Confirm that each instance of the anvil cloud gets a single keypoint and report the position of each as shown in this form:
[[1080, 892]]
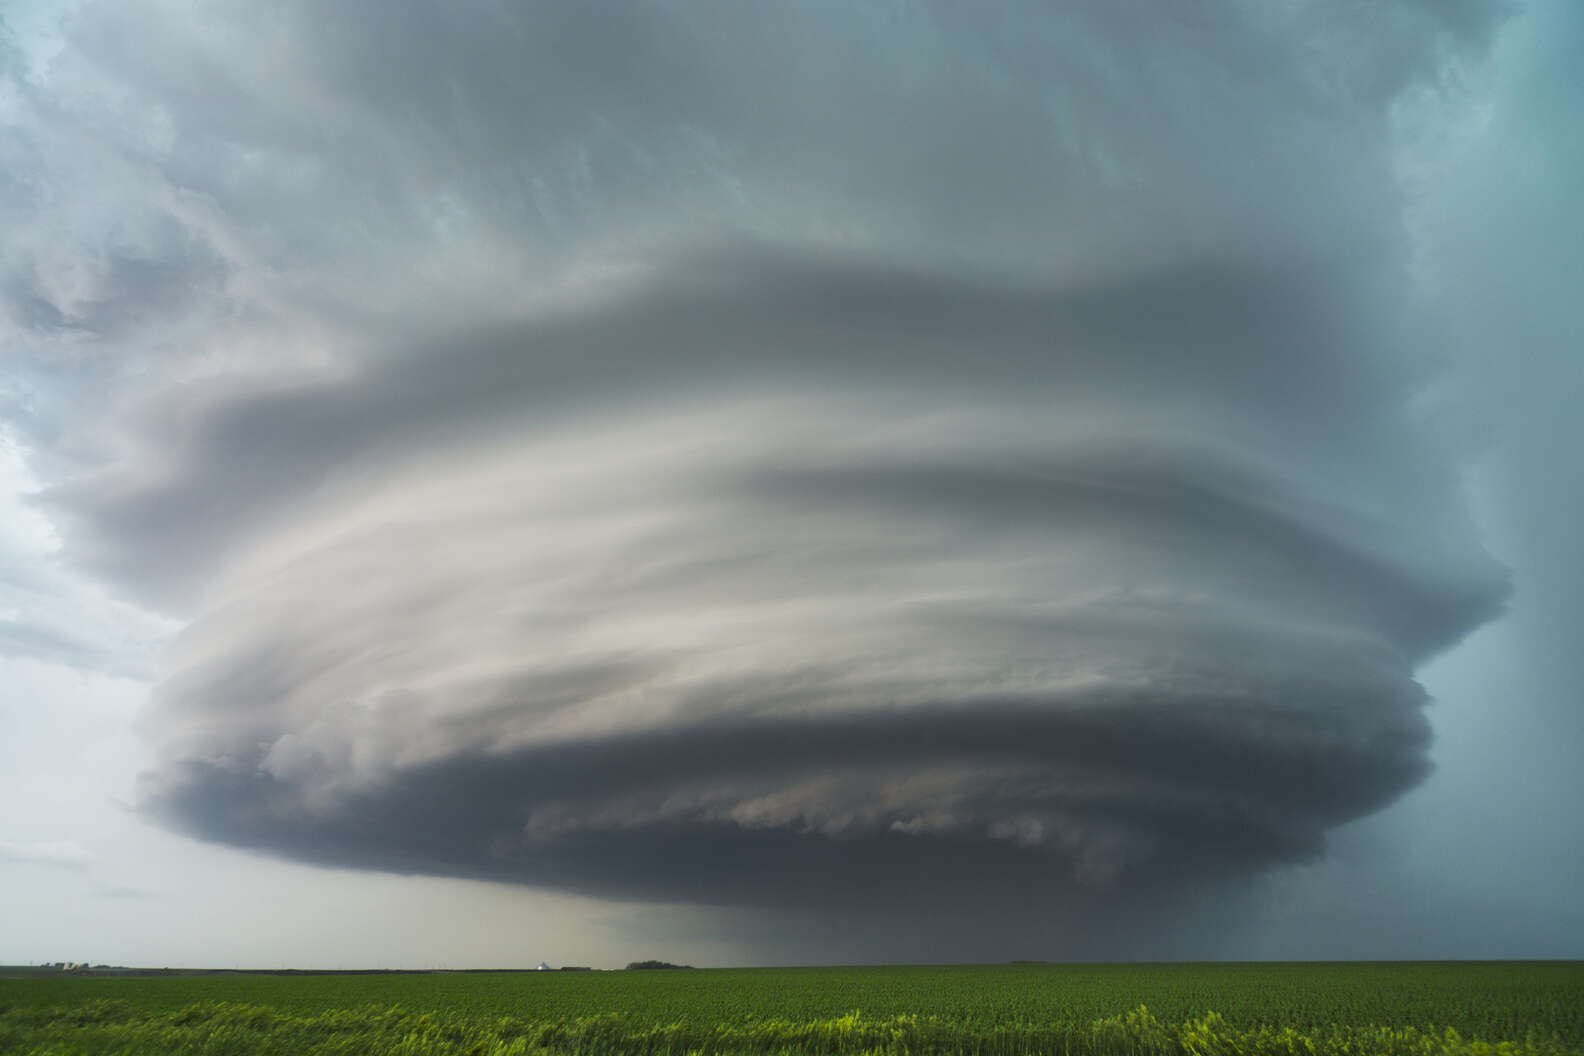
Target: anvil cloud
[[761, 455]]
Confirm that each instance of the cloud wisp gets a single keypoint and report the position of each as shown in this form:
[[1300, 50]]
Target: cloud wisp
[[57, 854], [861, 452]]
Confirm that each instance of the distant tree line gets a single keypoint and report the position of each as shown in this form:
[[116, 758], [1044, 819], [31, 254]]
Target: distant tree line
[[650, 965]]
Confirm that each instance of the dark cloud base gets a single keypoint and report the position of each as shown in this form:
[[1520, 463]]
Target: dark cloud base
[[1259, 794]]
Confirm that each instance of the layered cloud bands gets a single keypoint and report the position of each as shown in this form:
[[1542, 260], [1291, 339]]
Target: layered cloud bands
[[726, 615], [884, 454]]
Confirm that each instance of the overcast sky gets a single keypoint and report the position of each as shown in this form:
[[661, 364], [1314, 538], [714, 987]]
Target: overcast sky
[[762, 483]]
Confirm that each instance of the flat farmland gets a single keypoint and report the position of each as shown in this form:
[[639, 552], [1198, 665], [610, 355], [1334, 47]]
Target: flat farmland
[[1357, 1009]]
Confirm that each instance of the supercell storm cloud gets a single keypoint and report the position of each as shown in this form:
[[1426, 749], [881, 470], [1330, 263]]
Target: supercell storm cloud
[[755, 454]]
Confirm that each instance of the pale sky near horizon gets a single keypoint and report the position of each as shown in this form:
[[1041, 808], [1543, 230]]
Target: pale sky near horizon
[[790, 483]]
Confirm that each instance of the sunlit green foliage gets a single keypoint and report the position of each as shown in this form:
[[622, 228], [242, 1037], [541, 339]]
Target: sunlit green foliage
[[1192, 1010]]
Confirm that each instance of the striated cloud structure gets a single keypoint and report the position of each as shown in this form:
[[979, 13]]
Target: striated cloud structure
[[818, 454], [798, 578]]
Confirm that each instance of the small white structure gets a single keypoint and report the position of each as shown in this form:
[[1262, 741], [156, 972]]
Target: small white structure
[[543, 967]]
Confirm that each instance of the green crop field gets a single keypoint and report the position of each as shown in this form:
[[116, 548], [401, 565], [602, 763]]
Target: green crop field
[[1491, 1009]]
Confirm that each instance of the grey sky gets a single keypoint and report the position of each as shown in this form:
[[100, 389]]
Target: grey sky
[[751, 478]]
